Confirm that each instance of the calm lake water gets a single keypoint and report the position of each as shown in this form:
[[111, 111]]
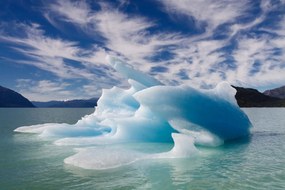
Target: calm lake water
[[31, 162]]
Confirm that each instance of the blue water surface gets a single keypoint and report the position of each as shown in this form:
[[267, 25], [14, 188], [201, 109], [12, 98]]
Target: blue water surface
[[29, 162]]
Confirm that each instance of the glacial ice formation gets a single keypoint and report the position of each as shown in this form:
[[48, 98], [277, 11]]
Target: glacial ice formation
[[149, 112]]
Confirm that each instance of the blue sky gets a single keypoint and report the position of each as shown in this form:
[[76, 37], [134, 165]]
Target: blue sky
[[55, 50]]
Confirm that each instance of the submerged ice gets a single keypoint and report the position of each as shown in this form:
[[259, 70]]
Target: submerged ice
[[149, 112]]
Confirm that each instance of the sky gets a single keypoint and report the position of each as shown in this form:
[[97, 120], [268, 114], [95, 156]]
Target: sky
[[56, 50]]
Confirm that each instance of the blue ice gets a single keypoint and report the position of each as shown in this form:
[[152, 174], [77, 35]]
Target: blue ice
[[149, 111]]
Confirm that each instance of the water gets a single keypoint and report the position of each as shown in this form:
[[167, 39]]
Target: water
[[30, 162]]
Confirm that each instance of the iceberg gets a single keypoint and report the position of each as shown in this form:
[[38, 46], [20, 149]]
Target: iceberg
[[149, 111]]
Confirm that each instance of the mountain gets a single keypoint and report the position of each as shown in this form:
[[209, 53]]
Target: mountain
[[249, 97], [90, 103], [10, 98], [276, 92]]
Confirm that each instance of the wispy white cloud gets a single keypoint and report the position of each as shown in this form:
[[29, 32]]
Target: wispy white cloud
[[211, 13], [255, 59], [198, 60], [72, 11], [50, 54], [46, 90], [126, 35], [43, 90], [259, 62]]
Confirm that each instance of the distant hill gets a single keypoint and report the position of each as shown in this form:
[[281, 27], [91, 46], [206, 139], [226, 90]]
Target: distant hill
[[248, 97], [276, 92], [10, 98], [90, 103]]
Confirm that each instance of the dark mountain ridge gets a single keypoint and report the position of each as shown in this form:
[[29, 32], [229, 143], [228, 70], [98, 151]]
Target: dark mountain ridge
[[10, 98], [89, 103], [249, 97], [276, 92]]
